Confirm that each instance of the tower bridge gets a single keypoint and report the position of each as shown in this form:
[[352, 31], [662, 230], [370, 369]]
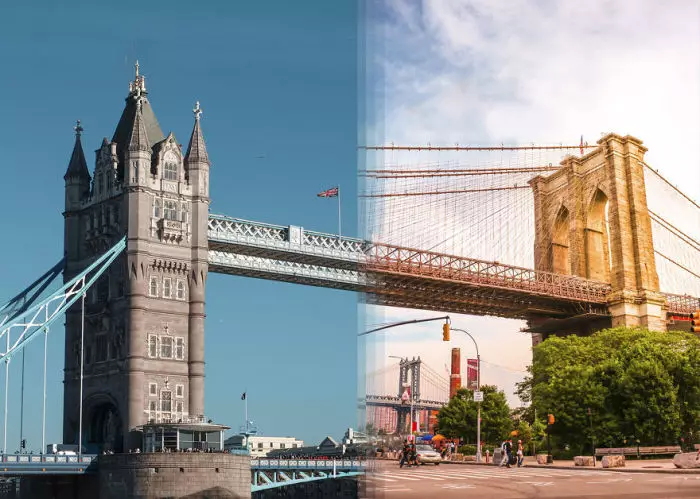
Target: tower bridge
[[143, 319]]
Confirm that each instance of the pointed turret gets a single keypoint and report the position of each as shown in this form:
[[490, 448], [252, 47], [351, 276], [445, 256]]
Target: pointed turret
[[196, 150], [77, 167], [138, 138], [136, 104]]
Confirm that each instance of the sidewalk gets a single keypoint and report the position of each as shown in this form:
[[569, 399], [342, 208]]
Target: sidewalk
[[631, 465]]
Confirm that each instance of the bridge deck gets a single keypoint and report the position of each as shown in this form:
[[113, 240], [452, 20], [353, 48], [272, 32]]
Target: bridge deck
[[405, 277], [50, 464]]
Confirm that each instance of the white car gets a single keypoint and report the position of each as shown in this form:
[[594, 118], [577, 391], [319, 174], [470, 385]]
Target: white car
[[425, 454]]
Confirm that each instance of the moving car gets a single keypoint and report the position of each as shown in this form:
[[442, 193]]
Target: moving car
[[426, 454]]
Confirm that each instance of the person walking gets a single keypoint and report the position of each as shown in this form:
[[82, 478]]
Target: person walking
[[520, 453], [509, 451]]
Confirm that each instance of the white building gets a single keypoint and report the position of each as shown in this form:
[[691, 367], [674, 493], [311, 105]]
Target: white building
[[259, 445]]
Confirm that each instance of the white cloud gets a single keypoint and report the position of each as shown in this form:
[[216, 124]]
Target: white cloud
[[517, 71]]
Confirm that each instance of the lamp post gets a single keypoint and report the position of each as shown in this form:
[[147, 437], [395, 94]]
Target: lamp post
[[478, 389], [446, 318]]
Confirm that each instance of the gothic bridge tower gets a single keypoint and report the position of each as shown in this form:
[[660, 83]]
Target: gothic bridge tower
[[144, 320], [591, 220]]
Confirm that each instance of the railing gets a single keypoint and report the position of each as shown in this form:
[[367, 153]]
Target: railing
[[33, 464], [307, 464], [393, 259], [681, 304]]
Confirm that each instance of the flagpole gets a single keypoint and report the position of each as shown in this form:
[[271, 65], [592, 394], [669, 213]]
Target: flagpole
[[340, 232], [246, 412]]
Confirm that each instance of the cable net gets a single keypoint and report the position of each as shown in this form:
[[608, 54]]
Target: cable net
[[675, 226], [474, 203]]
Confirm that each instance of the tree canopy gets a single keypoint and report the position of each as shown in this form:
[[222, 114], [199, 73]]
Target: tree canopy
[[638, 384], [458, 418]]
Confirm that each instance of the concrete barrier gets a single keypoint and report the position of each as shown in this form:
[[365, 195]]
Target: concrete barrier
[[613, 461], [541, 458], [686, 460], [584, 461]]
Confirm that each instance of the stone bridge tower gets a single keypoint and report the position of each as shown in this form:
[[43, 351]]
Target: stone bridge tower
[[144, 319], [591, 220]]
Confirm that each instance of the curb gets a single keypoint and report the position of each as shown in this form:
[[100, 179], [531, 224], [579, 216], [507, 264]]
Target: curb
[[677, 471]]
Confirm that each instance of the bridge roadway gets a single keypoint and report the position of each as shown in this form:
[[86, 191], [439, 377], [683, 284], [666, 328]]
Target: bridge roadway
[[403, 277], [391, 401], [48, 464]]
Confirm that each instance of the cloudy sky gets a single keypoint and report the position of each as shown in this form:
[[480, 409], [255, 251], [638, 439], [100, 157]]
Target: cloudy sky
[[517, 72]]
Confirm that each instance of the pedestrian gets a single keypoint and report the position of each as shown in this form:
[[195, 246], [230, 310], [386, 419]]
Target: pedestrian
[[509, 452], [520, 453]]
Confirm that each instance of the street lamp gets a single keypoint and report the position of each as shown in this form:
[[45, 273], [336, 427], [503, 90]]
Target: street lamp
[[446, 318], [478, 389]]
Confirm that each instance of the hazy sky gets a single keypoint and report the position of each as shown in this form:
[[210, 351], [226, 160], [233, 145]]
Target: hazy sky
[[517, 72]]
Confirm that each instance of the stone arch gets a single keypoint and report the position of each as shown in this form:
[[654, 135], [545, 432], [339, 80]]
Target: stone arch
[[597, 238], [561, 262], [104, 427]]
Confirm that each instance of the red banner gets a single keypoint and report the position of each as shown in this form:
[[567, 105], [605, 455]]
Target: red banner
[[472, 370]]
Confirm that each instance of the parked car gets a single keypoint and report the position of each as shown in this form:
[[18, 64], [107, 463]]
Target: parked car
[[426, 454]]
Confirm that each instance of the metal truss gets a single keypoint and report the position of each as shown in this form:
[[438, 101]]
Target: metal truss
[[681, 304], [290, 243], [26, 323], [285, 270], [405, 277], [31, 464], [273, 473], [398, 404]]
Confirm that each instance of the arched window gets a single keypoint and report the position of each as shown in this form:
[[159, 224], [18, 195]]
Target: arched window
[[156, 208], [170, 170], [597, 239], [185, 209]]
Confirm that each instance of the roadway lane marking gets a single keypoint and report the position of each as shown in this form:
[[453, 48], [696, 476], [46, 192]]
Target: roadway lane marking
[[540, 484], [400, 476], [613, 480], [455, 486], [394, 490]]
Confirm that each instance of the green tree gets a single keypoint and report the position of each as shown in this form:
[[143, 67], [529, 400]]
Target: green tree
[[637, 384], [458, 418]]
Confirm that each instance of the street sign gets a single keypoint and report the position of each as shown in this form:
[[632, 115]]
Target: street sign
[[478, 396]]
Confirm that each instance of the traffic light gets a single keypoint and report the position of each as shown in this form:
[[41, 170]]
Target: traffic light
[[695, 322], [550, 418], [446, 332], [24, 443]]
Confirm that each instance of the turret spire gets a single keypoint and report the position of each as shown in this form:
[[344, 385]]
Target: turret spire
[[77, 167], [138, 139], [197, 150]]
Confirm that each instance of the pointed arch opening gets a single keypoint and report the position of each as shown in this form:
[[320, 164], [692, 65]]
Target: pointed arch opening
[[597, 240], [561, 263]]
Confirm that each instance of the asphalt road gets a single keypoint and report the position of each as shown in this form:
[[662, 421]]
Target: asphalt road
[[451, 480]]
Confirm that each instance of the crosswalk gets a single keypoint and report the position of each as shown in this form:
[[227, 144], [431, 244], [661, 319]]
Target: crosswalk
[[536, 476]]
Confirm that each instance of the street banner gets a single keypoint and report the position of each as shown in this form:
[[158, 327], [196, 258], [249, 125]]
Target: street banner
[[472, 370]]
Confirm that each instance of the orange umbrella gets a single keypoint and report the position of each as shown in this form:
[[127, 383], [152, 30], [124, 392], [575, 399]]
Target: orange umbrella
[[438, 437]]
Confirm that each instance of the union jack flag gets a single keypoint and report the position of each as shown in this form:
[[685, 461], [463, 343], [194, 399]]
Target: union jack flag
[[330, 193]]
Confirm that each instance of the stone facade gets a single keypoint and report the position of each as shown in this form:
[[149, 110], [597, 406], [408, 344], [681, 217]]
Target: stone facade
[[144, 319], [192, 475], [591, 220]]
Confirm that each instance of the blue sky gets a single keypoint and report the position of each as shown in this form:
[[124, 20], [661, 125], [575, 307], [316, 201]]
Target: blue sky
[[277, 82]]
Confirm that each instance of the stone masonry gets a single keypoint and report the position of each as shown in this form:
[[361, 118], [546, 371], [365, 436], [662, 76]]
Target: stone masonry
[[144, 319], [160, 475], [591, 220]]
